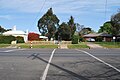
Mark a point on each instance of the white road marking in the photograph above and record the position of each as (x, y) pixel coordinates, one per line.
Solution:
(118, 70)
(13, 50)
(48, 65)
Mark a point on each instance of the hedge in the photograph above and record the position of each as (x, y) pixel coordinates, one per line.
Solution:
(9, 39)
(6, 39)
(75, 39)
(20, 39)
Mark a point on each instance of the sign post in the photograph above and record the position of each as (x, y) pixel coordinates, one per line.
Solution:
(114, 39)
(31, 44)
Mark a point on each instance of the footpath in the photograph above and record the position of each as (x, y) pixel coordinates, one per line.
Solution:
(63, 46)
(90, 44)
(93, 45)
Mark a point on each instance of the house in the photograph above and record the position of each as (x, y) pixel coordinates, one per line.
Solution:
(16, 33)
(94, 36)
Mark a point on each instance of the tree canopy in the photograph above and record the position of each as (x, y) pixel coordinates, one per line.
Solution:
(2, 29)
(85, 31)
(72, 26)
(107, 27)
(64, 31)
(115, 22)
(112, 26)
(48, 23)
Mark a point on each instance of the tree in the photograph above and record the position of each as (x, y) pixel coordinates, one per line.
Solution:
(107, 27)
(48, 23)
(85, 31)
(2, 29)
(19, 39)
(115, 22)
(75, 39)
(79, 27)
(64, 32)
(72, 26)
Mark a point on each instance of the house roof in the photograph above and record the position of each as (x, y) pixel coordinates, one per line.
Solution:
(91, 35)
(96, 35)
(105, 34)
(14, 33)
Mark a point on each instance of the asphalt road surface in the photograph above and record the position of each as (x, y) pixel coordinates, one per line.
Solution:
(59, 64)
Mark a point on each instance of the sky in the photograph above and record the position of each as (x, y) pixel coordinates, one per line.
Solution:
(26, 13)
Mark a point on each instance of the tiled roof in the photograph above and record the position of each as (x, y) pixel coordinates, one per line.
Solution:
(91, 35)
(96, 35)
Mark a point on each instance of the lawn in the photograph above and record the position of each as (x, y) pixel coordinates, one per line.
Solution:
(109, 44)
(4, 45)
(77, 46)
(24, 45)
(37, 46)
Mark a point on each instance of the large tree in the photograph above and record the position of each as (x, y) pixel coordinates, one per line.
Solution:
(48, 23)
(72, 26)
(115, 21)
(107, 27)
(64, 32)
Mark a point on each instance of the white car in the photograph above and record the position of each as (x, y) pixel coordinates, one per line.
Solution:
(91, 39)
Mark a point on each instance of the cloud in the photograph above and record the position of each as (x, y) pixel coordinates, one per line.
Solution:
(22, 5)
(8, 17)
(61, 6)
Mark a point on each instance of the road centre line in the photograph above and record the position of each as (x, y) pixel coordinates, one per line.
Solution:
(47, 67)
(118, 70)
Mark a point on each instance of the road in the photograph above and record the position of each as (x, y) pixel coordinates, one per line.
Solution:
(59, 64)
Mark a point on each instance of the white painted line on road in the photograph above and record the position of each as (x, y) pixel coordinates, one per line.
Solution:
(47, 67)
(13, 50)
(118, 70)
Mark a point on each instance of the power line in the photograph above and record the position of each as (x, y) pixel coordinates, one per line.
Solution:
(39, 12)
(41, 8)
(105, 9)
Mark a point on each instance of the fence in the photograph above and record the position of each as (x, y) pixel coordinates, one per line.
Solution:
(48, 42)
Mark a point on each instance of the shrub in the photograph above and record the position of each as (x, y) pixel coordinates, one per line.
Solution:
(99, 39)
(33, 36)
(81, 39)
(6, 39)
(20, 39)
(75, 39)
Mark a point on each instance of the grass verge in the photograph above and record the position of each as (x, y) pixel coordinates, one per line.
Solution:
(77, 46)
(4, 45)
(109, 44)
(37, 46)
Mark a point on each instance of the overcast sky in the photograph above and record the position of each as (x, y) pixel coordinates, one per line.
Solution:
(25, 13)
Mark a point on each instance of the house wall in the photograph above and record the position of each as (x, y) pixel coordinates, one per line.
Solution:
(108, 39)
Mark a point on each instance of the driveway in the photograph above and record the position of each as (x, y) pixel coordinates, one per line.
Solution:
(93, 45)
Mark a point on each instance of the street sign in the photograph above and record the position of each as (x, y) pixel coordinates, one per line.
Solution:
(114, 37)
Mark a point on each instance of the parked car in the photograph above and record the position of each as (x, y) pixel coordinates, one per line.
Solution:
(91, 39)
